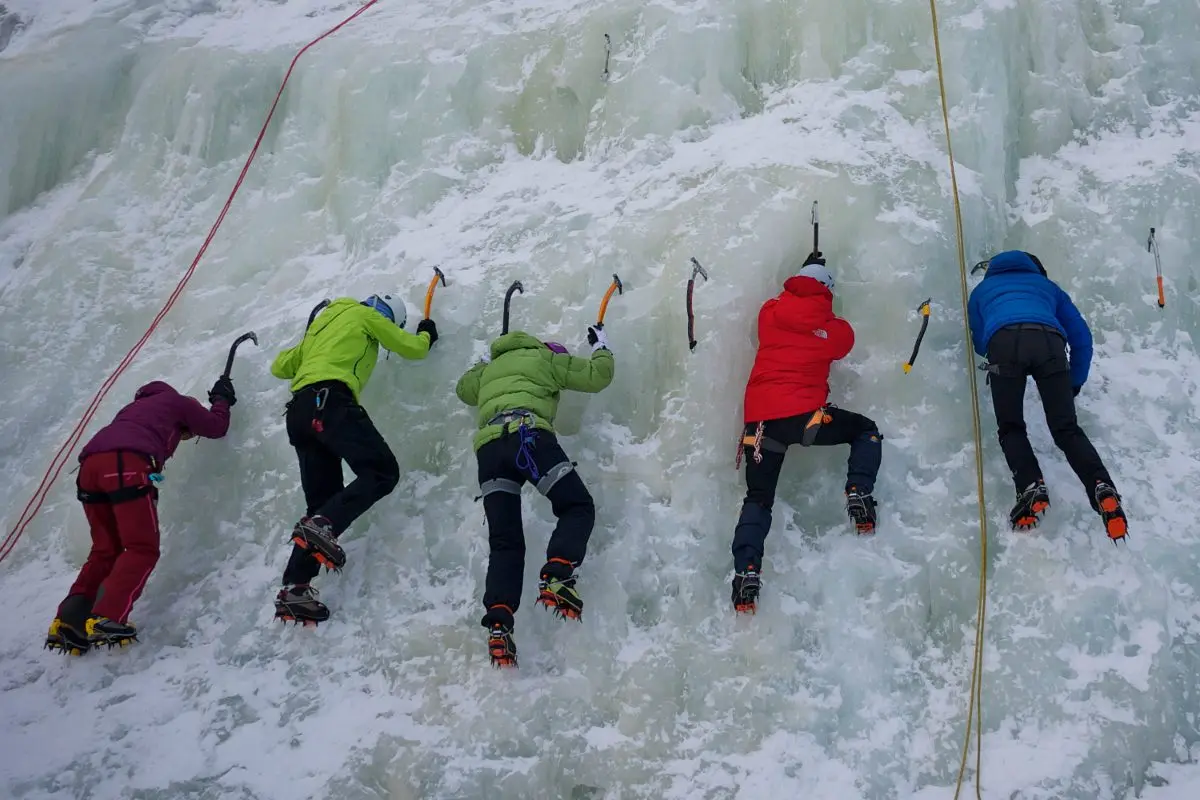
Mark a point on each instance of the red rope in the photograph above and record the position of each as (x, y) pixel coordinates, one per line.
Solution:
(64, 453)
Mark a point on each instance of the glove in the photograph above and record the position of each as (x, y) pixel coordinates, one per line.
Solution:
(1075, 391)
(222, 390)
(427, 326)
(814, 258)
(597, 339)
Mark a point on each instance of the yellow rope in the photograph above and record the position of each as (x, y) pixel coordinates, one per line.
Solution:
(975, 703)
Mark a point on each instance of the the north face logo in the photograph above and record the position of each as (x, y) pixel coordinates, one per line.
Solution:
(820, 332)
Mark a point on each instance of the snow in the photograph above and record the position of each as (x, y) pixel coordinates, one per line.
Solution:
(481, 138)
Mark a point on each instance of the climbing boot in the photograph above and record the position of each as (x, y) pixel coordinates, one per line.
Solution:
(861, 508)
(299, 604)
(746, 586)
(102, 630)
(1108, 504)
(1032, 502)
(556, 589)
(315, 534)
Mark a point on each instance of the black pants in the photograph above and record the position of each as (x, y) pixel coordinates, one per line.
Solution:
(1019, 351)
(762, 477)
(569, 500)
(347, 434)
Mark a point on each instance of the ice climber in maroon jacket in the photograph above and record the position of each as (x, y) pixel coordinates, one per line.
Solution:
(787, 403)
(118, 470)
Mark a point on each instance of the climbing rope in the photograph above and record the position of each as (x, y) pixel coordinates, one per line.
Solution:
(975, 703)
(64, 452)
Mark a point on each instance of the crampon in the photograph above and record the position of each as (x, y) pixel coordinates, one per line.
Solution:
(1108, 503)
(556, 590)
(102, 630)
(64, 639)
(746, 586)
(315, 535)
(501, 647)
(299, 604)
(1031, 505)
(860, 507)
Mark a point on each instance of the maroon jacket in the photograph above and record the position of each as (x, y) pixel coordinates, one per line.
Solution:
(154, 422)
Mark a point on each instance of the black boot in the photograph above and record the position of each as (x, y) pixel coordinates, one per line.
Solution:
(102, 630)
(861, 508)
(315, 534)
(299, 604)
(501, 647)
(746, 586)
(1032, 502)
(68, 631)
(1108, 503)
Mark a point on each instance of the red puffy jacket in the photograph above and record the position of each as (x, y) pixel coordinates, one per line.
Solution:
(798, 339)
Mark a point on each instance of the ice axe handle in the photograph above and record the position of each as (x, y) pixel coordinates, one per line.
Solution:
(438, 275)
(313, 314)
(691, 317)
(233, 351)
(615, 286)
(516, 287)
(923, 309)
(816, 223)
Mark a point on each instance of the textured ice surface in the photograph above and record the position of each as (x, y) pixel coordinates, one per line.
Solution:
(479, 136)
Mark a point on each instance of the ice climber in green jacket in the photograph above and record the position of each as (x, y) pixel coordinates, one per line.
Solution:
(327, 426)
(517, 392)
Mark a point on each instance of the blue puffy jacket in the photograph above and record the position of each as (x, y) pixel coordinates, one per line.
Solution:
(1014, 291)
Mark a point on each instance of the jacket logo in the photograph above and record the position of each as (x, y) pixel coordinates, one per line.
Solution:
(820, 332)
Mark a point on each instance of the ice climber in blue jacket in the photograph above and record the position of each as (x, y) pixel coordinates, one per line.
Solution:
(1022, 322)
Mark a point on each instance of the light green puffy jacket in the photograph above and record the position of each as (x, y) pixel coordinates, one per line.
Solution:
(525, 374)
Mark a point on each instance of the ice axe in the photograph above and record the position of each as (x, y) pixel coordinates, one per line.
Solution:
(233, 351)
(816, 223)
(438, 275)
(923, 310)
(313, 314)
(1152, 247)
(980, 266)
(691, 284)
(516, 287)
(615, 286)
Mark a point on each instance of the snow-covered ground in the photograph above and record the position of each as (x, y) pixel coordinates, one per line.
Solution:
(483, 138)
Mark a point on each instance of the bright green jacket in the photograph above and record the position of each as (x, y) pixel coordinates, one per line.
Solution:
(526, 374)
(342, 344)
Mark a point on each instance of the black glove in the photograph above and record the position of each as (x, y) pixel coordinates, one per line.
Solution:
(427, 326)
(814, 257)
(1075, 391)
(222, 390)
(597, 339)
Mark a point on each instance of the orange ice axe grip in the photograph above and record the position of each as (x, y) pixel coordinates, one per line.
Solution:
(615, 286)
(438, 276)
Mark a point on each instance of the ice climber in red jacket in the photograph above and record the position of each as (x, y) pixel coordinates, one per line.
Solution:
(786, 404)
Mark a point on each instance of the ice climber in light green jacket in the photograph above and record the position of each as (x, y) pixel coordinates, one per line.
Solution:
(325, 423)
(517, 392)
